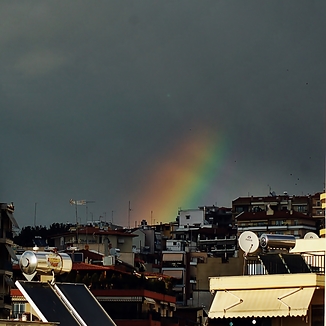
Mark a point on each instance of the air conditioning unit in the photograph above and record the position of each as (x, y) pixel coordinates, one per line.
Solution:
(108, 261)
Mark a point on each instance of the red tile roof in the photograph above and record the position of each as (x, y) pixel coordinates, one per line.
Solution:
(96, 231)
(90, 267)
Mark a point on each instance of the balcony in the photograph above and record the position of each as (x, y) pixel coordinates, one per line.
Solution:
(284, 263)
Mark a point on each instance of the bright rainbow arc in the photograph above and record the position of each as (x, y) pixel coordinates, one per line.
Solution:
(184, 179)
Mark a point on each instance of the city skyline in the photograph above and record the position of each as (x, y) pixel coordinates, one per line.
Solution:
(162, 105)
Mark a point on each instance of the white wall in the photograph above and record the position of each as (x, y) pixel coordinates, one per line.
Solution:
(191, 217)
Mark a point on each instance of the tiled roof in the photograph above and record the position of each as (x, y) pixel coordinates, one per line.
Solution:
(90, 267)
(91, 230)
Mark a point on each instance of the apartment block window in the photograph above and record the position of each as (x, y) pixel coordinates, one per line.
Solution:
(187, 217)
(18, 309)
(239, 209)
(301, 208)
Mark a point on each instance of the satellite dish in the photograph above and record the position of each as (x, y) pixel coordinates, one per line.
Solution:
(248, 242)
(311, 235)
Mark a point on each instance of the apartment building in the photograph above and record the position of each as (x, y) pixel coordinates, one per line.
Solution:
(97, 239)
(278, 222)
(7, 224)
(284, 213)
(288, 290)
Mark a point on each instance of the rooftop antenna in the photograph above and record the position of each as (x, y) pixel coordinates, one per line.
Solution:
(35, 215)
(129, 210)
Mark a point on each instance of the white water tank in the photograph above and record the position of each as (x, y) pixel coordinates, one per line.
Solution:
(45, 262)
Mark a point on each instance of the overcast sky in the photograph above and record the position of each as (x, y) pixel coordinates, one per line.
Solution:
(163, 104)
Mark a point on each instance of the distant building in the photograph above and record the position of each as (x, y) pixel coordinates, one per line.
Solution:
(276, 205)
(97, 239)
(278, 222)
(288, 290)
(7, 223)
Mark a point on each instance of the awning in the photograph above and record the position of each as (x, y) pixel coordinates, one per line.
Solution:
(173, 273)
(121, 299)
(173, 257)
(149, 300)
(261, 303)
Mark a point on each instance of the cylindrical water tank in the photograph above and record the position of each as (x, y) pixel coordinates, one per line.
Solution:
(279, 241)
(45, 262)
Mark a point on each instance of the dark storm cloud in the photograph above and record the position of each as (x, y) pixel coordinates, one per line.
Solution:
(92, 94)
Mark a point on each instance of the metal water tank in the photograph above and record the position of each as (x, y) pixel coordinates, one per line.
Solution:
(277, 241)
(45, 262)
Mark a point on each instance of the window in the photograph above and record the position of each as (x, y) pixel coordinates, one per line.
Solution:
(239, 209)
(301, 208)
(18, 309)
(317, 315)
(187, 217)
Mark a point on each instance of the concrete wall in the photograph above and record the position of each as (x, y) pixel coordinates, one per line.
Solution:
(214, 268)
(191, 216)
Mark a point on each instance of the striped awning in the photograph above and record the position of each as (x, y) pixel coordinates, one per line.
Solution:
(173, 257)
(121, 299)
(149, 300)
(173, 273)
(279, 302)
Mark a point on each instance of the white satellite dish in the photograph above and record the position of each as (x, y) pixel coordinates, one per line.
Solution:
(248, 242)
(311, 235)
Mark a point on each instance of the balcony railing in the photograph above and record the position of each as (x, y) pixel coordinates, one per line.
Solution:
(314, 264)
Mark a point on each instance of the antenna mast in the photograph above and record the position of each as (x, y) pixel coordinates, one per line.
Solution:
(129, 209)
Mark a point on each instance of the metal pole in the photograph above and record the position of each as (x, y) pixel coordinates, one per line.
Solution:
(86, 223)
(35, 215)
(76, 222)
(129, 209)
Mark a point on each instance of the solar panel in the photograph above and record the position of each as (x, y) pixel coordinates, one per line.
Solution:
(296, 263)
(67, 303)
(85, 304)
(283, 263)
(46, 303)
(274, 264)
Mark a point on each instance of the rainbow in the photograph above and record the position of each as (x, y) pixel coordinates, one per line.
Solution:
(183, 178)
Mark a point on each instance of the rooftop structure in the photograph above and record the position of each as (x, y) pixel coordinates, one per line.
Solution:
(281, 284)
